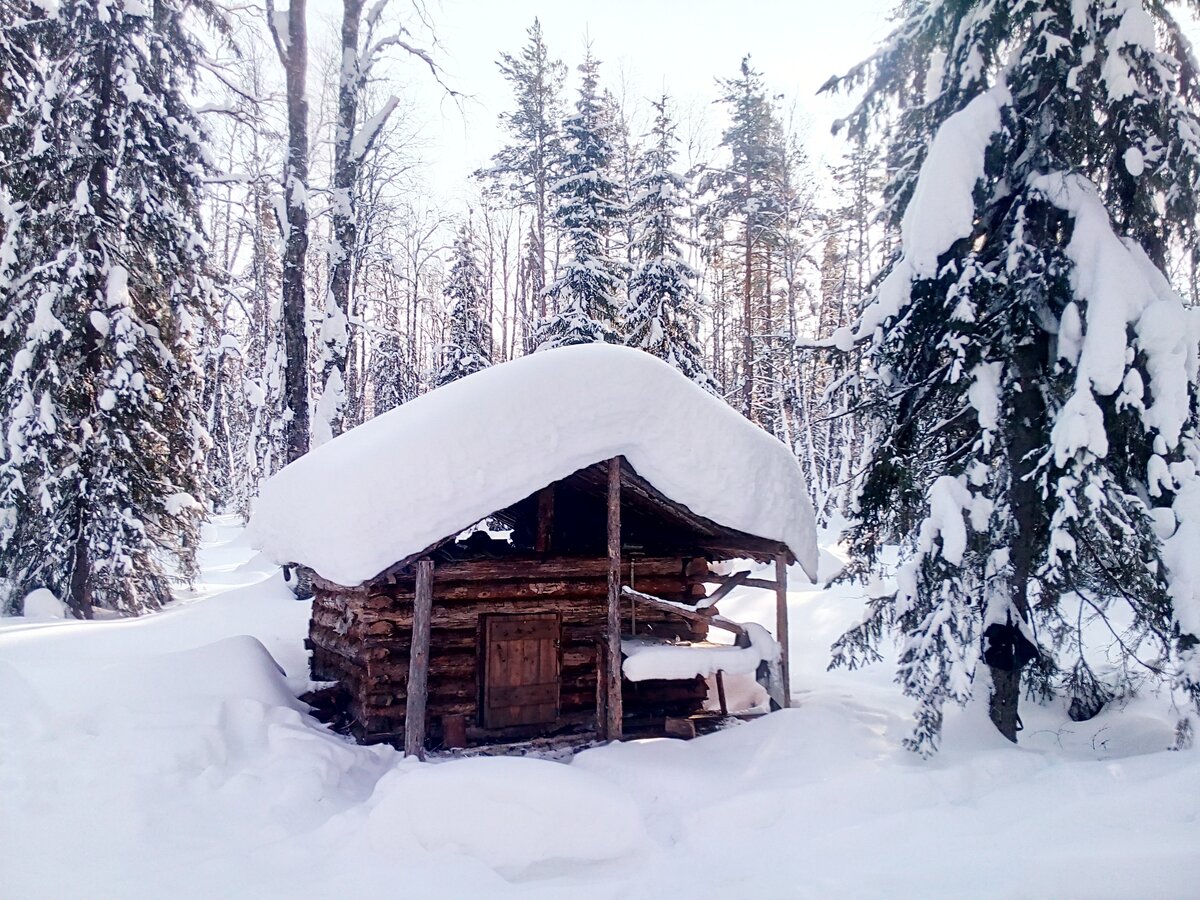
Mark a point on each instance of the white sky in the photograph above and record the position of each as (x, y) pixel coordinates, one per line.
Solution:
(683, 46)
(644, 44)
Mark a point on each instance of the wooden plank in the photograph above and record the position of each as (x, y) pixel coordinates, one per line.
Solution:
(612, 673)
(521, 677)
(523, 695)
(601, 686)
(732, 582)
(528, 567)
(418, 668)
(686, 612)
(545, 519)
(678, 727)
(523, 628)
(781, 625)
(713, 578)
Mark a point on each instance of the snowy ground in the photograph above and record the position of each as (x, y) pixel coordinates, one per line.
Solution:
(166, 756)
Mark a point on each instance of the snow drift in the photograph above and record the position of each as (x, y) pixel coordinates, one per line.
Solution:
(430, 468)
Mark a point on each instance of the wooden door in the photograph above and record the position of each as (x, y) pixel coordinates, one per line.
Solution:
(520, 669)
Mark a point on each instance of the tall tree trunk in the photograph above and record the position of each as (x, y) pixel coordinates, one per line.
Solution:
(1027, 415)
(80, 600)
(292, 45)
(748, 324)
(330, 406)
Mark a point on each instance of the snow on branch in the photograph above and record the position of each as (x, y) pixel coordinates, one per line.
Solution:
(361, 143)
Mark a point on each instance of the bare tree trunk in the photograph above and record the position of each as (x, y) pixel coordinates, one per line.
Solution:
(289, 31)
(747, 326)
(335, 325)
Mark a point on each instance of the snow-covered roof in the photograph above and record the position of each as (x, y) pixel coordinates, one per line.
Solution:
(407, 479)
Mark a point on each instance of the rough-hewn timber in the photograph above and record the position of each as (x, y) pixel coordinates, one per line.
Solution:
(363, 637)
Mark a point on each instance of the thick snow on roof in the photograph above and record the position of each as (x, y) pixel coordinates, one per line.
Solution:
(408, 478)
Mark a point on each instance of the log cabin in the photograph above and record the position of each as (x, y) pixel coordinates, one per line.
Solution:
(491, 560)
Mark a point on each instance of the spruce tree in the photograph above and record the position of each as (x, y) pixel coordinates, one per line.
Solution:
(1030, 373)
(748, 193)
(469, 346)
(587, 290)
(390, 374)
(103, 287)
(663, 312)
(526, 165)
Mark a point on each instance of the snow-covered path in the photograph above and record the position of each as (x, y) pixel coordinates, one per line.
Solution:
(166, 756)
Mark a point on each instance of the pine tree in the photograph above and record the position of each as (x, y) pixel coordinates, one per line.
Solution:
(1029, 371)
(586, 292)
(526, 165)
(662, 315)
(747, 194)
(469, 347)
(392, 382)
(103, 285)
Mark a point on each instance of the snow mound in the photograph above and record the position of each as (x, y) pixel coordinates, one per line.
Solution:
(236, 667)
(430, 468)
(509, 813)
(42, 604)
(645, 660)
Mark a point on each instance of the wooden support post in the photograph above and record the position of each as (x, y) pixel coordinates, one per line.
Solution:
(612, 673)
(418, 664)
(721, 693)
(545, 519)
(781, 626)
(601, 687)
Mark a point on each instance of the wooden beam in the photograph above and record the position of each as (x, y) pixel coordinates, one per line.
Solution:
(733, 581)
(682, 609)
(781, 625)
(418, 662)
(545, 519)
(612, 672)
(713, 578)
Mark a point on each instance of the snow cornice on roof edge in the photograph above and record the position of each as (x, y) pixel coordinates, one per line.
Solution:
(412, 476)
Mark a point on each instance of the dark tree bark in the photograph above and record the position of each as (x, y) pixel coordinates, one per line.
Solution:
(80, 599)
(289, 31)
(1024, 427)
(1002, 705)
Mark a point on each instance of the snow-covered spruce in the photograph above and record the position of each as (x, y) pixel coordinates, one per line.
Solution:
(102, 285)
(524, 167)
(744, 214)
(662, 315)
(1032, 372)
(586, 293)
(468, 346)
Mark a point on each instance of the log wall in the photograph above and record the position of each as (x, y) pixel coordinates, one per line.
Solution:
(360, 637)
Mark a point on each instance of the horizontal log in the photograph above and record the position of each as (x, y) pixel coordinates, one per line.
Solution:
(696, 616)
(527, 568)
(714, 578)
(514, 568)
(487, 589)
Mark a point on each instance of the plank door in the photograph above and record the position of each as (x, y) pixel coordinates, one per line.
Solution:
(521, 682)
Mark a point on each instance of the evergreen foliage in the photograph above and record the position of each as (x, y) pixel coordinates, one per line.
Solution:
(1029, 372)
(749, 196)
(586, 292)
(469, 347)
(103, 287)
(663, 311)
(526, 164)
